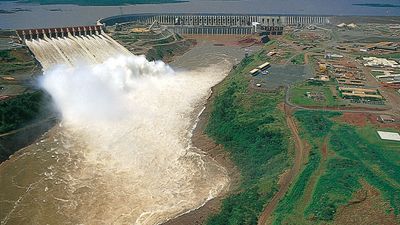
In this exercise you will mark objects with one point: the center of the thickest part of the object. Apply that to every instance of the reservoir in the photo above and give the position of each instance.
(20, 15)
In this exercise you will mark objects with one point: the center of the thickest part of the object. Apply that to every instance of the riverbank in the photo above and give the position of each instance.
(217, 152)
(253, 130)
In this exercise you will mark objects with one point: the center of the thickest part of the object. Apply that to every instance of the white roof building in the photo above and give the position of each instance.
(382, 62)
(392, 136)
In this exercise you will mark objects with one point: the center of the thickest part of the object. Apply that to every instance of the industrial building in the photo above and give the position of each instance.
(260, 69)
(386, 119)
(368, 93)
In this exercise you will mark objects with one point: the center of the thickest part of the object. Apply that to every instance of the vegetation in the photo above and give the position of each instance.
(315, 126)
(355, 161)
(12, 62)
(253, 130)
(359, 155)
(298, 95)
(391, 56)
(298, 59)
(20, 110)
(100, 2)
(163, 52)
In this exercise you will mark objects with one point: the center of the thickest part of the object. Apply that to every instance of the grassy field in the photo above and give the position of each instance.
(392, 56)
(254, 131)
(165, 52)
(23, 109)
(355, 155)
(298, 59)
(15, 61)
(156, 46)
(298, 95)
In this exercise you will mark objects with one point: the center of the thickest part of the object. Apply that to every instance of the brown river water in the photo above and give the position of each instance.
(141, 169)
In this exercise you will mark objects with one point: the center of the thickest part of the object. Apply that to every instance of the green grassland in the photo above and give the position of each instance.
(391, 56)
(156, 46)
(298, 95)
(298, 59)
(166, 51)
(11, 63)
(254, 131)
(23, 109)
(356, 154)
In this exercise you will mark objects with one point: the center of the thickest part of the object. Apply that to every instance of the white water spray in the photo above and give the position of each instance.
(132, 119)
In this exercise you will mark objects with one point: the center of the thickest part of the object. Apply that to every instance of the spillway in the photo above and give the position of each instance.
(122, 153)
(71, 46)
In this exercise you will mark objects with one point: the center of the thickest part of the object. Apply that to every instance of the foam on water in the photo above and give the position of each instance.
(131, 120)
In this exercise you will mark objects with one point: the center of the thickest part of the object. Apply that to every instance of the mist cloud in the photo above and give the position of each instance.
(132, 119)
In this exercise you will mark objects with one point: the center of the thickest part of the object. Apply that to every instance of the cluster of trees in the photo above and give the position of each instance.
(6, 56)
(20, 110)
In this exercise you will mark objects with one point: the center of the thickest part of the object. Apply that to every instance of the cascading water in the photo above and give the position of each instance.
(122, 153)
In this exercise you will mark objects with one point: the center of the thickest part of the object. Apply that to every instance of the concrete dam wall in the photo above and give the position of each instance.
(210, 24)
(71, 46)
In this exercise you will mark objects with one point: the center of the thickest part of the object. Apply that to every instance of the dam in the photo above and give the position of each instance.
(71, 45)
(210, 24)
(122, 152)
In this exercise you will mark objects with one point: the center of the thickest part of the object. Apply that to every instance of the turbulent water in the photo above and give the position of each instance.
(122, 153)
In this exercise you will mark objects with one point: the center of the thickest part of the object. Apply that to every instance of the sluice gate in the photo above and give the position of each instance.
(59, 32)
(70, 46)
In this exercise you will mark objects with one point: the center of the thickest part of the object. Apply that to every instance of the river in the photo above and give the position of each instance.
(140, 169)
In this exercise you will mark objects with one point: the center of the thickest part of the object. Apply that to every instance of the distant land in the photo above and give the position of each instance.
(101, 2)
(13, 10)
(378, 5)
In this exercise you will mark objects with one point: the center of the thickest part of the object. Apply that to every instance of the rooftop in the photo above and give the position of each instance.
(392, 136)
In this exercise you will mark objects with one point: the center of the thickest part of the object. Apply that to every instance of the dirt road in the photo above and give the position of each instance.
(287, 178)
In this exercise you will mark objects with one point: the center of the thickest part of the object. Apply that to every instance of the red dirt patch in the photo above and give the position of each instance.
(324, 149)
(367, 207)
(363, 119)
(356, 119)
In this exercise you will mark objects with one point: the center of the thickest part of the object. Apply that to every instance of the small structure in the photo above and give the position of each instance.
(4, 97)
(380, 62)
(351, 25)
(391, 136)
(386, 119)
(322, 67)
(354, 92)
(254, 72)
(8, 78)
(264, 66)
(332, 56)
(324, 78)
